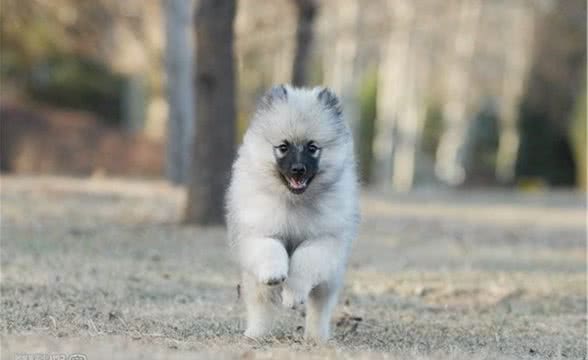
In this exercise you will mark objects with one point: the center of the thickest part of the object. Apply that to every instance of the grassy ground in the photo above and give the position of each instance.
(101, 267)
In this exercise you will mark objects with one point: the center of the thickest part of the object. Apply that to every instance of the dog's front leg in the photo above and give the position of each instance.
(266, 259)
(265, 264)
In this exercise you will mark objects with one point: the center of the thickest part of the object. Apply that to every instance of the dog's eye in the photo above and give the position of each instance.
(312, 148)
(283, 147)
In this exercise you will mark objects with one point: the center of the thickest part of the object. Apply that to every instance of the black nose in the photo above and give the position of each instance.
(298, 169)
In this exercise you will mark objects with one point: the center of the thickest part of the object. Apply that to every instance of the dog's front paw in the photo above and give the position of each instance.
(292, 298)
(272, 273)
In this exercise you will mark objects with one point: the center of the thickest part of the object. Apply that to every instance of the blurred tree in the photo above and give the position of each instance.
(306, 11)
(578, 135)
(556, 79)
(391, 82)
(519, 22)
(412, 110)
(49, 54)
(367, 114)
(43, 39)
(214, 141)
(180, 94)
(432, 129)
(341, 68)
(452, 151)
(76, 82)
(483, 135)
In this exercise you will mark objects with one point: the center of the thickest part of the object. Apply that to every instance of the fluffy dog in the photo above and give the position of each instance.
(292, 207)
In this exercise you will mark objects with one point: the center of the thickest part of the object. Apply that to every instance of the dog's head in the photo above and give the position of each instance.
(299, 138)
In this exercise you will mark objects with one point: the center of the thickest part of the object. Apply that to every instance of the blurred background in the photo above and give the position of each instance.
(438, 93)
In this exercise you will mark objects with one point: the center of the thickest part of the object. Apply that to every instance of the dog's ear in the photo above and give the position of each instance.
(330, 101)
(273, 95)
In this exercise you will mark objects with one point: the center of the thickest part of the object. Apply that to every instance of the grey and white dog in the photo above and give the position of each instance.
(293, 207)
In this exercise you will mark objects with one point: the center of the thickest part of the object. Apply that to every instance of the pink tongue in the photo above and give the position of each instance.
(296, 184)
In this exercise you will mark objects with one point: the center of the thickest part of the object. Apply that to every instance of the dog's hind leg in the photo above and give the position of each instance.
(319, 309)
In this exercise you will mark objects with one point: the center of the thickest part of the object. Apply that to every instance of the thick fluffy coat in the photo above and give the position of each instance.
(292, 207)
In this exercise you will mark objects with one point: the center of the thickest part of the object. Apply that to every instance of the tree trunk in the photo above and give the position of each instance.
(514, 75)
(306, 11)
(180, 92)
(450, 161)
(343, 75)
(156, 110)
(412, 110)
(392, 80)
(214, 141)
(283, 55)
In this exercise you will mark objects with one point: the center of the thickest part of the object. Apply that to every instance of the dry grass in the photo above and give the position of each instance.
(100, 267)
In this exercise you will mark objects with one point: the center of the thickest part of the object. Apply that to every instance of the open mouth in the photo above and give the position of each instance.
(297, 185)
